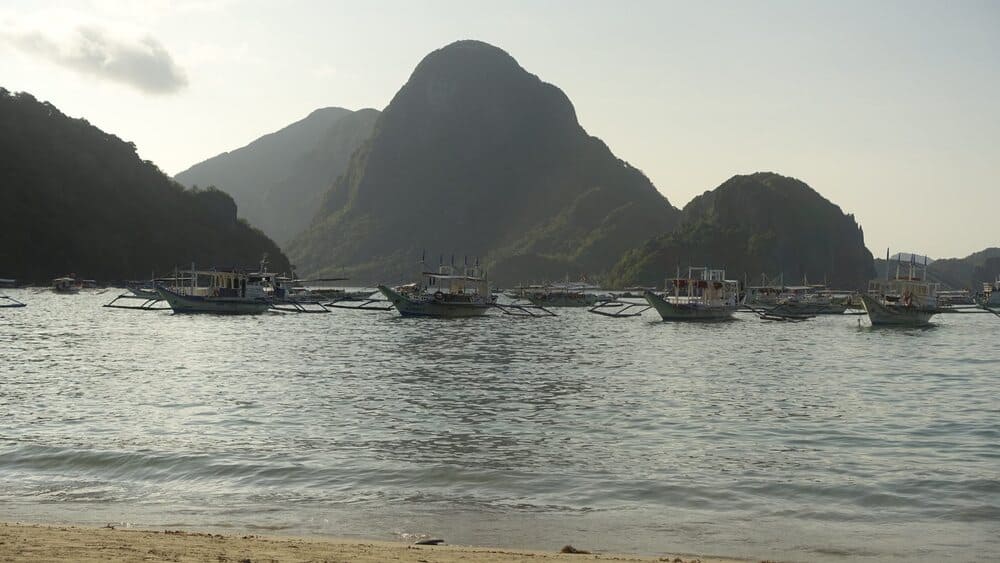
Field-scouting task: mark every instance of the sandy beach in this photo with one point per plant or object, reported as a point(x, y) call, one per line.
point(34, 542)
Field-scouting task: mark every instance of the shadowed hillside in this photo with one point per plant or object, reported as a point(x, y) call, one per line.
point(475, 156)
point(279, 180)
point(970, 272)
point(757, 224)
point(77, 199)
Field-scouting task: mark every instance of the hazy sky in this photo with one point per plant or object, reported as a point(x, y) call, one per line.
point(889, 109)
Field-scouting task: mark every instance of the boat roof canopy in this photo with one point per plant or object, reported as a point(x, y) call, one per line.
point(451, 277)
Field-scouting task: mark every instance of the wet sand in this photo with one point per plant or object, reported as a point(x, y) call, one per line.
point(33, 542)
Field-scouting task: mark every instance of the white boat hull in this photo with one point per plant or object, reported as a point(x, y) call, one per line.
point(895, 315)
point(214, 305)
point(689, 311)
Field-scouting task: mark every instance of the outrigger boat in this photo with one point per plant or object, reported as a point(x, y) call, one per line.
point(907, 300)
point(991, 295)
point(296, 289)
point(232, 292)
point(778, 299)
point(807, 303)
point(704, 295)
point(67, 284)
point(564, 294)
point(560, 297)
point(445, 293)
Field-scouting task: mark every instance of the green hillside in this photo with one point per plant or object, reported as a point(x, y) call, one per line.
point(77, 199)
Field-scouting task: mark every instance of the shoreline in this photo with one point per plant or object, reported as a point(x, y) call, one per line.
point(53, 542)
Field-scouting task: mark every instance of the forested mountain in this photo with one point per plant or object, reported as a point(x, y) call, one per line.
point(475, 156)
point(77, 199)
point(757, 224)
point(970, 272)
point(278, 180)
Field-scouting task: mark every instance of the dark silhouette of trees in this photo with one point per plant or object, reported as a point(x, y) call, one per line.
point(76, 199)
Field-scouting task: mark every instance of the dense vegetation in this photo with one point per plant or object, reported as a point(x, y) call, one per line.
point(970, 272)
point(753, 225)
point(278, 180)
point(475, 156)
point(77, 199)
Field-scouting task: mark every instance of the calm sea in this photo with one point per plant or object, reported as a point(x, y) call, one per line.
point(822, 440)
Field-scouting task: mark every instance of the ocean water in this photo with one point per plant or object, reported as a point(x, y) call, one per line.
point(818, 441)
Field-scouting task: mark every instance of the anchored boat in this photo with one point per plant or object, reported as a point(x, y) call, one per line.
point(907, 300)
point(777, 299)
point(991, 295)
point(704, 295)
point(801, 301)
point(563, 294)
point(445, 293)
point(67, 284)
point(232, 292)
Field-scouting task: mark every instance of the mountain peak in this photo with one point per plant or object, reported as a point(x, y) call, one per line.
point(476, 155)
point(466, 52)
point(278, 179)
point(474, 81)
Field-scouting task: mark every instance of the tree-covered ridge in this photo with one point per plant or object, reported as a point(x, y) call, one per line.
point(757, 224)
point(970, 272)
point(279, 180)
point(476, 156)
point(77, 199)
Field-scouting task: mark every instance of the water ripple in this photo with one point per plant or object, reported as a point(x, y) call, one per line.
point(819, 440)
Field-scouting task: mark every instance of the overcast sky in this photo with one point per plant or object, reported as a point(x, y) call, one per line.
point(889, 109)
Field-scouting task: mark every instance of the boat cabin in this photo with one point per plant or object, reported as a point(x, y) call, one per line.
point(452, 281)
point(910, 287)
point(227, 283)
point(703, 285)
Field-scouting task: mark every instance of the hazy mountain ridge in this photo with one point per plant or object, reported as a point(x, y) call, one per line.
point(969, 272)
point(476, 156)
point(279, 179)
point(755, 224)
point(77, 199)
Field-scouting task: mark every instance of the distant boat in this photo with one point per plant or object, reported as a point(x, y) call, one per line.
point(776, 298)
point(991, 295)
point(228, 292)
point(445, 293)
point(957, 298)
point(907, 300)
point(704, 295)
point(807, 302)
point(296, 289)
point(67, 284)
point(559, 295)
point(8, 282)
